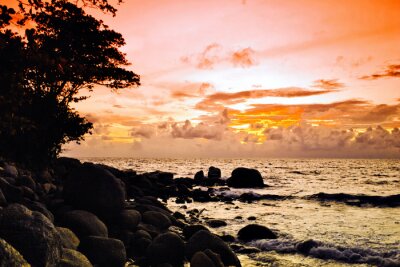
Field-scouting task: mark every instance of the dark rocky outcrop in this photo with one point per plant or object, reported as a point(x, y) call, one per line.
point(255, 231)
point(166, 248)
point(93, 188)
point(245, 178)
point(203, 240)
point(32, 234)
point(103, 252)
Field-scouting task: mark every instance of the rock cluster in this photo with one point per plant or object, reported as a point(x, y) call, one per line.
point(85, 214)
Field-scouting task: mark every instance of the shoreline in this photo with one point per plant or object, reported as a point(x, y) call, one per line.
point(97, 214)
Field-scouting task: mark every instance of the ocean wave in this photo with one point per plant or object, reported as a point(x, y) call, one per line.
point(327, 251)
point(359, 200)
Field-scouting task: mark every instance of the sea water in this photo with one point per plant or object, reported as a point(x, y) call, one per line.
point(345, 234)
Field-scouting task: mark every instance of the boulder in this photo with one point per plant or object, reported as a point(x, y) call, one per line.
point(157, 219)
point(203, 240)
point(214, 223)
point(206, 258)
point(84, 223)
point(255, 231)
point(68, 238)
point(166, 248)
point(245, 178)
point(32, 234)
point(73, 258)
point(103, 252)
point(128, 219)
point(199, 176)
point(10, 257)
point(93, 188)
point(214, 173)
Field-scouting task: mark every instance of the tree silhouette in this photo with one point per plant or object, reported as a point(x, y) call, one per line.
point(42, 72)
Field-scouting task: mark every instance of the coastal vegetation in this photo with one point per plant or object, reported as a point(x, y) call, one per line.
point(50, 52)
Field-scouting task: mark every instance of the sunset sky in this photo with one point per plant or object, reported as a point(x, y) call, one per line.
point(235, 78)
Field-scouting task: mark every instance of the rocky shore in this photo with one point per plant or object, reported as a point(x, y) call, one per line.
point(85, 214)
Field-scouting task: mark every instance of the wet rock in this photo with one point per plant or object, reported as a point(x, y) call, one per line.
point(166, 248)
point(102, 251)
point(190, 230)
point(129, 219)
point(214, 172)
point(73, 258)
point(216, 223)
point(206, 258)
point(157, 219)
point(84, 223)
point(32, 234)
point(93, 188)
point(203, 240)
point(199, 176)
point(255, 231)
point(10, 257)
point(306, 246)
point(245, 178)
point(68, 238)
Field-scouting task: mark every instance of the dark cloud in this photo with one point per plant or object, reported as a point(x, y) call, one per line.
point(392, 70)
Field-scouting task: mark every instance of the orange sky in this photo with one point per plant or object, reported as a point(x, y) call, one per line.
point(236, 78)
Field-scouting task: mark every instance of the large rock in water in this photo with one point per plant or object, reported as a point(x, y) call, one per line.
point(9, 257)
point(93, 188)
point(255, 231)
point(245, 178)
point(32, 234)
point(203, 240)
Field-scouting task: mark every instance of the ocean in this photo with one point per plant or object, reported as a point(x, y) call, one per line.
point(346, 233)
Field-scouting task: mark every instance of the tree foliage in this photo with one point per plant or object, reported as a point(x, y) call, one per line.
point(43, 71)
